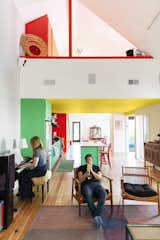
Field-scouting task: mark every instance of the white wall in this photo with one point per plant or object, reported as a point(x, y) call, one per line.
point(153, 113)
point(71, 76)
point(10, 28)
point(90, 120)
point(57, 12)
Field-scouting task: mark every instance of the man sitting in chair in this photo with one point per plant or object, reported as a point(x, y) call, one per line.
point(90, 176)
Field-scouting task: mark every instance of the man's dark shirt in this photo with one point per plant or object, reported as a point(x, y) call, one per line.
point(83, 169)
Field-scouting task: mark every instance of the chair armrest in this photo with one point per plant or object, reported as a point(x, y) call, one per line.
point(76, 181)
point(156, 179)
point(110, 179)
point(134, 175)
point(122, 185)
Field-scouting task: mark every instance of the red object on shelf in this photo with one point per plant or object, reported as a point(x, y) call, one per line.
point(35, 50)
point(33, 45)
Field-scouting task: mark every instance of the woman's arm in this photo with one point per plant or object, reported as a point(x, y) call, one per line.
point(33, 163)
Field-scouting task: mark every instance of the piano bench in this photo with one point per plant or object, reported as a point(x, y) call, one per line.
point(41, 181)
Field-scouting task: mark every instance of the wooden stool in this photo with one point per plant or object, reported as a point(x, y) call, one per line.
point(105, 156)
point(41, 181)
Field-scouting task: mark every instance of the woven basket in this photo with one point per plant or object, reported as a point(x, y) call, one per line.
point(33, 45)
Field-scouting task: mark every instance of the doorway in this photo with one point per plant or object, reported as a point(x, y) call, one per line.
point(131, 133)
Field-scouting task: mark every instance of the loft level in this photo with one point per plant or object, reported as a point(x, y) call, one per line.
point(91, 57)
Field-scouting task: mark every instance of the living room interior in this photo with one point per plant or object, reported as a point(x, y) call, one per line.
point(83, 76)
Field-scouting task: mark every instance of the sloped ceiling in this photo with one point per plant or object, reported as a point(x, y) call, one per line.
point(102, 40)
point(138, 20)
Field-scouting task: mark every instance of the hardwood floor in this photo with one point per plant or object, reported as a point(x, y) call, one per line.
point(60, 194)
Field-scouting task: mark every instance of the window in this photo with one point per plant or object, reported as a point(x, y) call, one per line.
point(76, 131)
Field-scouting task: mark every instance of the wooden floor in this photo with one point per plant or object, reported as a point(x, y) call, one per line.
point(60, 194)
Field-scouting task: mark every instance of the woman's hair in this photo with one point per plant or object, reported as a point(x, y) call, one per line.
point(36, 142)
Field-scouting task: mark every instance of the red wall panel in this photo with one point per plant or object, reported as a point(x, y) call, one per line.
point(61, 128)
point(39, 27)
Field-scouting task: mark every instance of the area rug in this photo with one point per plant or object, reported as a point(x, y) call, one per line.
point(63, 222)
point(65, 166)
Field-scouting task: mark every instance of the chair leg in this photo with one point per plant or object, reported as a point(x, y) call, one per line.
point(158, 208)
point(79, 205)
point(158, 198)
point(42, 193)
point(111, 201)
point(48, 186)
point(108, 157)
point(72, 190)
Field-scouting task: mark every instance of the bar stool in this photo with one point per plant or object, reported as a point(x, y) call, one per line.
point(105, 155)
point(41, 181)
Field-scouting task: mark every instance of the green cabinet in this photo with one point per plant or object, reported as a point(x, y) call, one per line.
point(94, 150)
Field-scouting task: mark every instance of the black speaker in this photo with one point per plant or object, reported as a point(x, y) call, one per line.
point(7, 177)
point(130, 52)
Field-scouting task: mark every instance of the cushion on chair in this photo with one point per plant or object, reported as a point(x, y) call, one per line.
point(139, 190)
point(43, 179)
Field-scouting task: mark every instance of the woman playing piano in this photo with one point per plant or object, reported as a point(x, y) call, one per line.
point(35, 168)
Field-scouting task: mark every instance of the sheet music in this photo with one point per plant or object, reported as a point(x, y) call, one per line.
point(18, 156)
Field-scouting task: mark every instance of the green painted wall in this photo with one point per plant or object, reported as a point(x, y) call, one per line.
point(33, 115)
point(94, 150)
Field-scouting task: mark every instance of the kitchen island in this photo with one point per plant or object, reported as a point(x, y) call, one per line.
point(91, 147)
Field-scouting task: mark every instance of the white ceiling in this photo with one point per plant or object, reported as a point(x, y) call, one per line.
point(131, 19)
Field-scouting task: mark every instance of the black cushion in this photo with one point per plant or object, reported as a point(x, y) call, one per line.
point(139, 190)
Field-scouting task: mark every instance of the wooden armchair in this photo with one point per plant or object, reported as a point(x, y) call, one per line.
point(136, 184)
point(76, 190)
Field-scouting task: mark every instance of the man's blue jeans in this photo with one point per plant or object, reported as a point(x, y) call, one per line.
point(93, 190)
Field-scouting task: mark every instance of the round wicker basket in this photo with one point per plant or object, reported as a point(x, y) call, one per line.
point(33, 45)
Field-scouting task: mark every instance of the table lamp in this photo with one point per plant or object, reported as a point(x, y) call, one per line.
point(23, 143)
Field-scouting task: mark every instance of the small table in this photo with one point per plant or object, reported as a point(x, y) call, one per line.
point(143, 232)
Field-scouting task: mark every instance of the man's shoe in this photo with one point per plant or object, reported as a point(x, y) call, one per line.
point(100, 221)
point(96, 221)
